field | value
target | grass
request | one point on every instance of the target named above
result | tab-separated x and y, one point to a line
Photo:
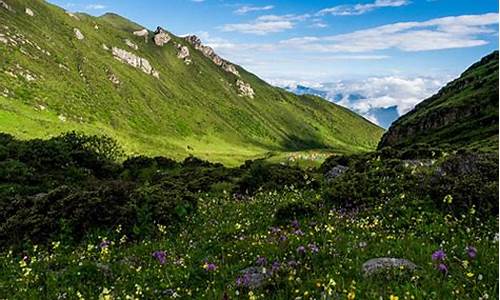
193	105
232	235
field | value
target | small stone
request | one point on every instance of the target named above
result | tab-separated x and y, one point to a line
62	118
131	45
335	172
245	89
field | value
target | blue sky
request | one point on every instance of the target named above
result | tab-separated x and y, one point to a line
407	48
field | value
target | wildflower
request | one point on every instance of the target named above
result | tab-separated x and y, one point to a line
298	232
295	224
439	255
442	268
471	252
209	267
261	261
313	247
275	267
470	274
351	296
301	250
292	264
392	297
104	244
161	256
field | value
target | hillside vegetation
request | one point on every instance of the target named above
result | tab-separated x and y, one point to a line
60	72
462	114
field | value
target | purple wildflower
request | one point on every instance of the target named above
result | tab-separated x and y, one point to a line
261	261
283	238
472	252
210	267
313	247
243	280
439	255
275	267
301	250
442	268
27	259
104	244
292	264
299	232
295	224
161	257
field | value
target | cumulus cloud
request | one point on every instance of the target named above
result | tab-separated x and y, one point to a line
266	24
246	9
384	92
440	33
359	9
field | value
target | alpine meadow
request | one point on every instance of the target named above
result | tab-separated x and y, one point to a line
238	150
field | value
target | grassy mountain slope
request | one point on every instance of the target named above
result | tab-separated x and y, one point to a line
463	114
51	82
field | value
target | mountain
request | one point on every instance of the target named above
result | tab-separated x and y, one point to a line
462	114
156	93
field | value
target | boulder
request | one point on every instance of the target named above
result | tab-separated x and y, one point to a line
382	264
6	6
161	37
335	172
78	34
134	60
253	277
73	15
29	12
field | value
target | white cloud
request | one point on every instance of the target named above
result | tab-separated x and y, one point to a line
266	24
359	9
246	9
95	6
385	92
441	33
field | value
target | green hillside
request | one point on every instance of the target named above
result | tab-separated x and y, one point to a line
462	114
51	82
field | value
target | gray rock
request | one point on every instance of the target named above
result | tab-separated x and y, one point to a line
336	172
132	59
6	6
131	44
381	264
143	33
254	277
161	37
210	53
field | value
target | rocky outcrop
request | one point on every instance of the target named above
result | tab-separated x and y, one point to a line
142	33
6	6
135	61
73	15
131	44
161	37
183	53
378	265
29	12
210	53
244	89
78	34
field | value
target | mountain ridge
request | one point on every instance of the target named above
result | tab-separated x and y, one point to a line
167	104
464	113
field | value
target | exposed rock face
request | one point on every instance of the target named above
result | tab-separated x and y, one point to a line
29	12
183	53
73	15
161	37
78	34
245	89
210	53
377	265
143	33
131	45
134	60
